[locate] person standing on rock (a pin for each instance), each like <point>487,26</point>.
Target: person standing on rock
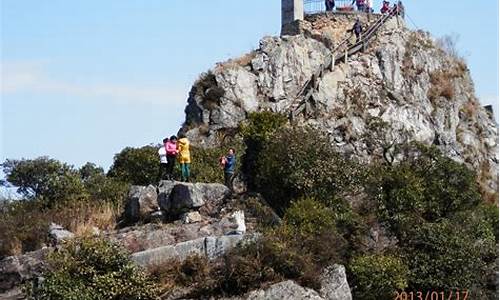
<point>184,157</point>
<point>229,163</point>
<point>171,147</point>
<point>162,153</point>
<point>329,4</point>
<point>360,4</point>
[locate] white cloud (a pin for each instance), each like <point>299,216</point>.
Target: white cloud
<point>31,77</point>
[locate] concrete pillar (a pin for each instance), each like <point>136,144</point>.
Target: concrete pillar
<point>291,10</point>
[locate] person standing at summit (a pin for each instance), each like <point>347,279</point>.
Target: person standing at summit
<point>162,153</point>
<point>360,4</point>
<point>171,148</point>
<point>184,157</point>
<point>329,4</point>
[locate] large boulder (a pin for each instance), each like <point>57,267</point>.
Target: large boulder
<point>15,270</point>
<point>188,196</point>
<point>165,188</point>
<point>142,202</point>
<point>334,284</point>
<point>282,290</point>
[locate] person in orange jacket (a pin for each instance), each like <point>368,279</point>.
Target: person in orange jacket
<point>184,157</point>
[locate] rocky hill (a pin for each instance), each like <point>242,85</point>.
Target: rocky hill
<point>207,241</point>
<point>403,87</point>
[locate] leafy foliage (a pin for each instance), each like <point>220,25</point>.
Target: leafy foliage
<point>94,269</point>
<point>377,276</point>
<point>256,131</point>
<point>45,179</point>
<point>101,187</point>
<point>425,187</point>
<point>137,166</point>
<point>432,204</point>
<point>300,162</point>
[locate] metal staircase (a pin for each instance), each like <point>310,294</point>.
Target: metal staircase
<point>304,102</point>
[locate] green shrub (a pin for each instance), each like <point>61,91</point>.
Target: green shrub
<point>309,216</point>
<point>424,187</point>
<point>377,276</point>
<point>45,179</point>
<point>137,166</point>
<point>102,188</point>
<point>447,255</point>
<point>256,130</point>
<point>94,269</point>
<point>301,162</point>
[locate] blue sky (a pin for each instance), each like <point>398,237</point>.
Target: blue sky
<point>83,79</point>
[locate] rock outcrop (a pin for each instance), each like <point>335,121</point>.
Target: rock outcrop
<point>171,198</point>
<point>402,88</point>
<point>334,286</point>
<point>210,247</point>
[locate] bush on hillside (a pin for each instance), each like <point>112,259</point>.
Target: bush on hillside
<point>432,204</point>
<point>447,255</point>
<point>102,188</point>
<point>300,162</point>
<point>93,269</point>
<point>136,166</point>
<point>45,179</point>
<point>256,130</point>
<point>377,276</point>
<point>425,187</point>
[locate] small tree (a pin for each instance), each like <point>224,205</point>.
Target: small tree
<point>301,162</point>
<point>138,166</point>
<point>45,179</point>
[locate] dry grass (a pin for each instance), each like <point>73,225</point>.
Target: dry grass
<point>469,109</point>
<point>442,82</point>
<point>24,226</point>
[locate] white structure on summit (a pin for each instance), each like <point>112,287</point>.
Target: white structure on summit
<point>291,10</point>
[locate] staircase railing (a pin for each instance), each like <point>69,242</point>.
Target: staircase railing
<point>340,53</point>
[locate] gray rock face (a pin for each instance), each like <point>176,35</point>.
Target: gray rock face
<point>210,247</point>
<point>164,190</point>
<point>187,196</point>
<point>334,284</point>
<point>14,270</point>
<point>282,290</point>
<point>142,201</point>
<point>402,88</point>
<point>57,234</point>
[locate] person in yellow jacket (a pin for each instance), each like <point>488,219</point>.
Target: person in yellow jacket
<point>184,157</point>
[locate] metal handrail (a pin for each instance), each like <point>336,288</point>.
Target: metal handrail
<point>360,44</point>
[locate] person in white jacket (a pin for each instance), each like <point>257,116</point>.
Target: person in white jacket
<point>369,6</point>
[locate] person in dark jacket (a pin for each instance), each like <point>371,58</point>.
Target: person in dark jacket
<point>357,29</point>
<point>360,4</point>
<point>229,163</point>
<point>329,4</point>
